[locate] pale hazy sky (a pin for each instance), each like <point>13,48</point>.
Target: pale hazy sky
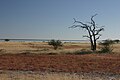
<point>50,19</point>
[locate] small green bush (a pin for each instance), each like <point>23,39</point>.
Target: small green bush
<point>107,46</point>
<point>55,43</point>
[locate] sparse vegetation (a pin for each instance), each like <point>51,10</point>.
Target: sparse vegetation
<point>107,46</point>
<point>53,61</point>
<point>55,43</point>
<point>85,51</point>
<point>80,52</point>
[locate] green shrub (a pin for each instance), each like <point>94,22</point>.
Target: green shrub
<point>107,46</point>
<point>55,43</point>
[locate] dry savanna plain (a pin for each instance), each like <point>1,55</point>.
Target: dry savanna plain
<point>39,61</point>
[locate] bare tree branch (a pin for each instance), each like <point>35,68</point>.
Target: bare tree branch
<point>75,26</point>
<point>92,29</point>
<point>98,31</point>
<point>93,22</point>
<point>98,37</point>
<point>79,22</point>
<point>86,36</point>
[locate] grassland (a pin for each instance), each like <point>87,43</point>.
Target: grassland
<point>38,47</point>
<point>28,61</point>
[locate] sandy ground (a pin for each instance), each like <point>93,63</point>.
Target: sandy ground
<point>30,75</point>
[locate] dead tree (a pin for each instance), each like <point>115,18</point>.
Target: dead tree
<point>92,29</point>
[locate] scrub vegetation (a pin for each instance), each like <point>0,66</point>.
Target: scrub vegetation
<point>73,61</point>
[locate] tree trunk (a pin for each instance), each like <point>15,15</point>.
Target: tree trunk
<point>94,46</point>
<point>94,41</point>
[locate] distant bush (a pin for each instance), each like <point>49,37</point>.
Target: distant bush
<point>116,41</point>
<point>107,46</point>
<point>7,40</point>
<point>55,43</point>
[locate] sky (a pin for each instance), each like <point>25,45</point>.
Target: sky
<point>50,19</point>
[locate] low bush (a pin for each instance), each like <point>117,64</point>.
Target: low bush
<point>55,43</point>
<point>107,46</point>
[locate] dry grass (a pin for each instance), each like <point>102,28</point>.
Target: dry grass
<point>22,47</point>
<point>64,67</point>
<point>109,63</point>
<point>39,47</point>
<point>44,48</point>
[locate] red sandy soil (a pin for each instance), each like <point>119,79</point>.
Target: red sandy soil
<point>61,63</point>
